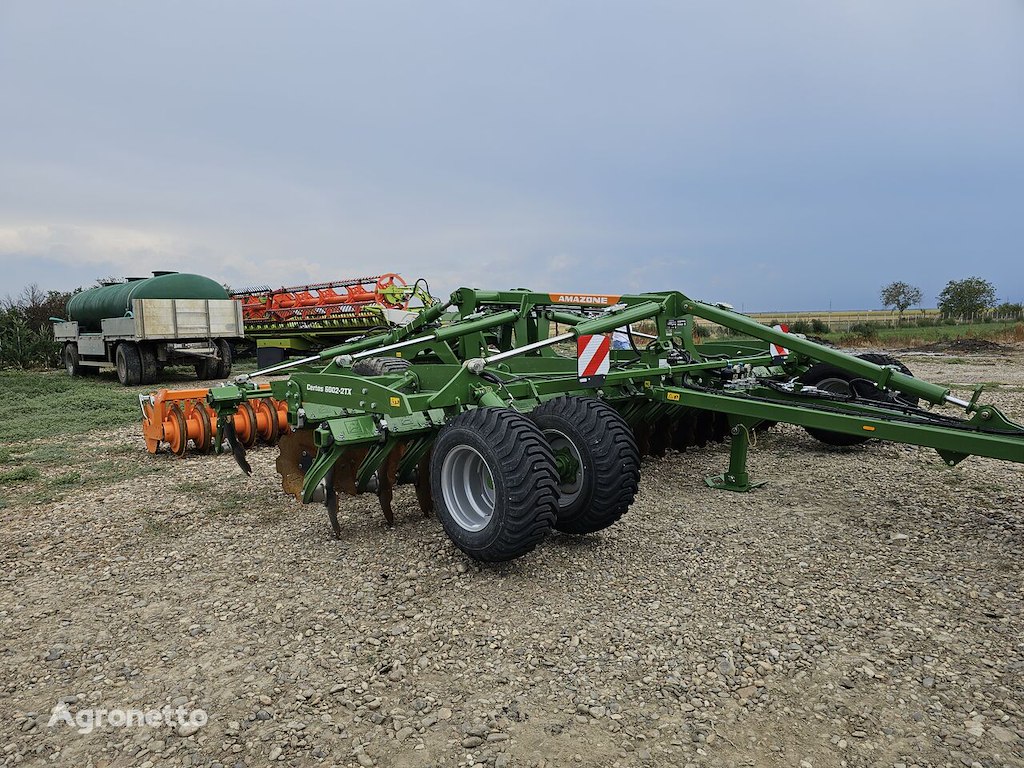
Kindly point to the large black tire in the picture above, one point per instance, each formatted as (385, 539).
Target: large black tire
(379, 366)
(879, 359)
(594, 437)
(71, 361)
(206, 369)
(128, 363)
(833, 379)
(224, 360)
(494, 483)
(150, 367)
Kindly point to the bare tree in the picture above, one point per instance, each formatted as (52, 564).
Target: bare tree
(900, 296)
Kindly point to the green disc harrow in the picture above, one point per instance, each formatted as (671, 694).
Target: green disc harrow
(511, 416)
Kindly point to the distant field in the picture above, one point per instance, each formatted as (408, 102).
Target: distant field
(908, 337)
(843, 320)
(902, 337)
(879, 327)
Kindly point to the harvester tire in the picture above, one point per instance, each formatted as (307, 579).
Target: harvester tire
(71, 361)
(223, 364)
(129, 364)
(494, 483)
(379, 366)
(834, 379)
(592, 436)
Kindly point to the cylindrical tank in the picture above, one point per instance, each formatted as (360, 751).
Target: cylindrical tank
(92, 306)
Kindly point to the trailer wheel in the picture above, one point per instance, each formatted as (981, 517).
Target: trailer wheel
(597, 458)
(129, 364)
(206, 369)
(494, 483)
(150, 370)
(833, 379)
(71, 361)
(224, 362)
(379, 366)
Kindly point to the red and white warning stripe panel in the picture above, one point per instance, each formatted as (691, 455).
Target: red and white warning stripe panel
(776, 350)
(593, 356)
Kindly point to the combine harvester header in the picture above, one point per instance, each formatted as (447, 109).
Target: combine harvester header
(305, 318)
(507, 433)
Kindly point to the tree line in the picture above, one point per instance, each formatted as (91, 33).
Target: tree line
(968, 299)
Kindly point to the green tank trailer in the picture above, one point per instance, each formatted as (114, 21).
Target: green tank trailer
(141, 325)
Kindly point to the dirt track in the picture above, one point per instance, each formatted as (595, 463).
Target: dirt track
(863, 609)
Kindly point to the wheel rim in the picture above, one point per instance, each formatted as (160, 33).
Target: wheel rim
(570, 467)
(122, 365)
(468, 488)
(69, 362)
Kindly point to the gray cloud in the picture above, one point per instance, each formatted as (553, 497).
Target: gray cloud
(781, 155)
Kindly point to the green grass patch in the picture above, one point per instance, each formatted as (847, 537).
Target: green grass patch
(19, 475)
(66, 479)
(39, 404)
(111, 471)
(48, 456)
(193, 486)
(49, 471)
(121, 449)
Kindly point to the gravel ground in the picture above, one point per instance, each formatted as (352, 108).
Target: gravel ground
(863, 609)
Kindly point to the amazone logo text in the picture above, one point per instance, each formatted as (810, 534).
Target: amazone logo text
(562, 298)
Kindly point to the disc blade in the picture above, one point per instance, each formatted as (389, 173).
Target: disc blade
(290, 465)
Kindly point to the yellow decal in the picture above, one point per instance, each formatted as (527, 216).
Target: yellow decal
(647, 385)
(396, 402)
(584, 298)
(672, 395)
(398, 353)
(866, 428)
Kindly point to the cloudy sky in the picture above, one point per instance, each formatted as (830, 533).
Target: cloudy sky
(777, 155)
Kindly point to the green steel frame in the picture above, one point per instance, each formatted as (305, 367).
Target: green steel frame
(515, 349)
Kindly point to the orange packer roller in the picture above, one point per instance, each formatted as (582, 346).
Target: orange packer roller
(178, 417)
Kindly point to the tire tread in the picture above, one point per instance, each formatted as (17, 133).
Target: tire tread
(528, 476)
(616, 469)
